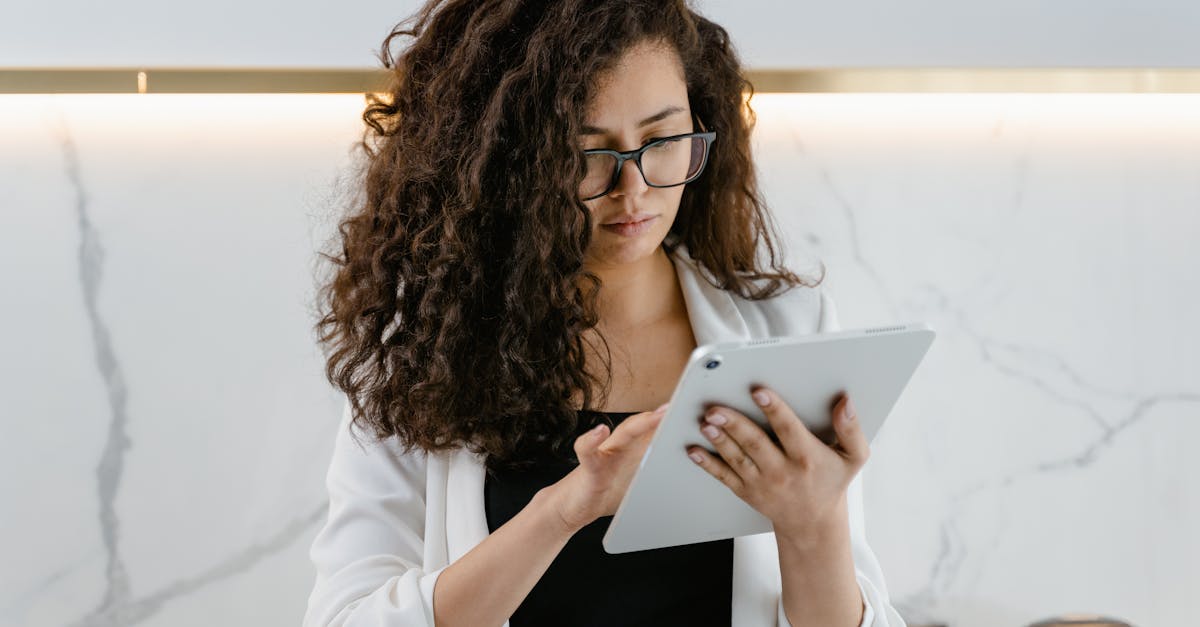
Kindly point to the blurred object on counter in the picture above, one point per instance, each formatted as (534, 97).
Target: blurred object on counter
(1081, 620)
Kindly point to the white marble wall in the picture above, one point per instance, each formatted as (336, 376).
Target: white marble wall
(166, 424)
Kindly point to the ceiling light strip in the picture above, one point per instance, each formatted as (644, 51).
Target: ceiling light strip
(832, 80)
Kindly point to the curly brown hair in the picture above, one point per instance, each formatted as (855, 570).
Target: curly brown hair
(455, 313)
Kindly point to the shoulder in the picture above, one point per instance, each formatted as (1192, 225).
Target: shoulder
(370, 464)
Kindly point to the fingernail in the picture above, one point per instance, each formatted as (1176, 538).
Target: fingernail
(717, 418)
(662, 408)
(762, 398)
(848, 411)
(696, 457)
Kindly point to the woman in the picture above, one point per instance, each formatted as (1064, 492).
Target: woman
(560, 206)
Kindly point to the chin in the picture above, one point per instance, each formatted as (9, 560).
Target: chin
(609, 249)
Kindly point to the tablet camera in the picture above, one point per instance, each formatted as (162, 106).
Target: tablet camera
(713, 362)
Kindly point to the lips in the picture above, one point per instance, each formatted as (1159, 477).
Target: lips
(631, 229)
(640, 217)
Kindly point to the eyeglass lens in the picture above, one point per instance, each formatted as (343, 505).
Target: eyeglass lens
(664, 163)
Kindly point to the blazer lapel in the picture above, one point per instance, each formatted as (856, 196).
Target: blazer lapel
(711, 310)
(466, 520)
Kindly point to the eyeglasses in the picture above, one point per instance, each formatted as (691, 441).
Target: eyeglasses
(663, 162)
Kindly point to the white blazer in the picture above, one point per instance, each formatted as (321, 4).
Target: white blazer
(397, 520)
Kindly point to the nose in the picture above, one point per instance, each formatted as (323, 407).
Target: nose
(630, 180)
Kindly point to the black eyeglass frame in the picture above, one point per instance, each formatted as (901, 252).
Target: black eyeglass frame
(636, 156)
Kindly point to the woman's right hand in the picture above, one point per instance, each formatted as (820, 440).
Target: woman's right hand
(607, 462)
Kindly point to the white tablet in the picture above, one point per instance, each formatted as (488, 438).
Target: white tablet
(672, 501)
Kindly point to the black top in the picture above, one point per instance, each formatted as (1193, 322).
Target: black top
(586, 586)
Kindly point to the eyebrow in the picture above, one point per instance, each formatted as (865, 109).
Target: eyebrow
(669, 111)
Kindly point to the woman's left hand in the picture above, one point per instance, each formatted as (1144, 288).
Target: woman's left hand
(799, 484)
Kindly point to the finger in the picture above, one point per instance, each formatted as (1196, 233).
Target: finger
(717, 467)
(730, 451)
(795, 438)
(632, 428)
(750, 439)
(851, 438)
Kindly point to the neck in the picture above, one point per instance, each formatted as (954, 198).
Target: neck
(636, 294)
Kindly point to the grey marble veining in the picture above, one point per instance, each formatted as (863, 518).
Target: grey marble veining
(924, 214)
(108, 473)
(169, 425)
(118, 606)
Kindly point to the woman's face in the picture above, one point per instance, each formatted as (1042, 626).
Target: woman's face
(643, 97)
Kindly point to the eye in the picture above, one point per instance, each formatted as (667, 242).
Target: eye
(662, 146)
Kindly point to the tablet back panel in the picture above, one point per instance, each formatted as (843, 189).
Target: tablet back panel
(672, 501)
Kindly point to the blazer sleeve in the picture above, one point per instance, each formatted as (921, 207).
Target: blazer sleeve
(369, 554)
(877, 608)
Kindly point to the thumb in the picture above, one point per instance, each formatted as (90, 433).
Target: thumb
(586, 446)
(635, 427)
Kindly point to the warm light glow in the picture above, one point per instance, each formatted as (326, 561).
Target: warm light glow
(1079, 116)
(188, 118)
